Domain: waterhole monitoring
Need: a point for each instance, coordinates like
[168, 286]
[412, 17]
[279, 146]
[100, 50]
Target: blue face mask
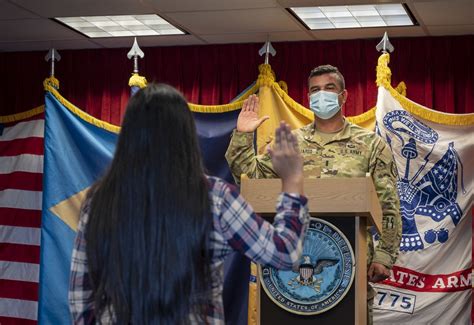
[324, 104]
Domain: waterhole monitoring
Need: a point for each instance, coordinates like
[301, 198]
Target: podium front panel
[342, 313]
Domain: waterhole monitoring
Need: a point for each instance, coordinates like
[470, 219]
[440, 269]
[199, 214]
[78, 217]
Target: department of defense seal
[324, 275]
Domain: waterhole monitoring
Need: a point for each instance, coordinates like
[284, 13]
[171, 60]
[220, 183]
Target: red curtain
[438, 72]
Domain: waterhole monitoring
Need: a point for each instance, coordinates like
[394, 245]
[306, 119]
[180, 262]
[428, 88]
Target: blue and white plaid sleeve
[279, 245]
[80, 289]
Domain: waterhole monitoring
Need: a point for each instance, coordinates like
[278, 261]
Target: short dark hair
[327, 68]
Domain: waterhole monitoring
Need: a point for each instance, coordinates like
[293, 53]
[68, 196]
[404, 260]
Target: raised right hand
[287, 160]
[248, 120]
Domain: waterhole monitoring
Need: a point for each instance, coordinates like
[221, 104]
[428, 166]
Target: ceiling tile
[257, 37]
[451, 30]
[236, 21]
[235, 38]
[46, 45]
[67, 8]
[453, 12]
[10, 11]
[313, 3]
[361, 33]
[149, 41]
[290, 36]
[35, 30]
[210, 5]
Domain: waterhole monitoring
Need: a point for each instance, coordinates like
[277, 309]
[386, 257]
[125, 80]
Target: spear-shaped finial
[52, 55]
[267, 49]
[134, 53]
[385, 46]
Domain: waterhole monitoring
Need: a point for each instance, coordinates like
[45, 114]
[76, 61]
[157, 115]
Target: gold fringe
[283, 85]
[216, 108]
[364, 117]
[22, 115]
[384, 80]
[432, 115]
[137, 81]
[401, 89]
[370, 114]
[266, 76]
[52, 81]
[77, 111]
[227, 107]
[384, 74]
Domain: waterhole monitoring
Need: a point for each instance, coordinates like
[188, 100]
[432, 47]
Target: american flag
[21, 176]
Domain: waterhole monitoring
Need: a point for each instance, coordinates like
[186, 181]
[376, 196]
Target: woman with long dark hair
[155, 230]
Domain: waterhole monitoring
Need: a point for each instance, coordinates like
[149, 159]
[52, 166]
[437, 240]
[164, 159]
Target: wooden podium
[348, 203]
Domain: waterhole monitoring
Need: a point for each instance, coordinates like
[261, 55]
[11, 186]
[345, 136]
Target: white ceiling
[25, 25]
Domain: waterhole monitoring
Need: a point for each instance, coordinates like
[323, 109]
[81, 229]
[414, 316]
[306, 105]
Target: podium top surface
[326, 197]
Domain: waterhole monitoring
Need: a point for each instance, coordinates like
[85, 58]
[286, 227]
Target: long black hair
[149, 222]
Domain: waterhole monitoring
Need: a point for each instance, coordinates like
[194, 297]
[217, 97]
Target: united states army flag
[434, 155]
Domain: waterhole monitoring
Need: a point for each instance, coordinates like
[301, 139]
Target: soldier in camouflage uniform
[331, 147]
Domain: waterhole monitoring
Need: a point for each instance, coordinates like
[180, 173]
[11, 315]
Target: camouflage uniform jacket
[352, 152]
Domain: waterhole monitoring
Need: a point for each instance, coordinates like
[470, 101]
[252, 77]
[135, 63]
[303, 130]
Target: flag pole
[384, 74]
[267, 49]
[134, 53]
[52, 56]
[136, 81]
[384, 45]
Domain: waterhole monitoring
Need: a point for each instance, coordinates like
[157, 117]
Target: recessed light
[354, 16]
[121, 25]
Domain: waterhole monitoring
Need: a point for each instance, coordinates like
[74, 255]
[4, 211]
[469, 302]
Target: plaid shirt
[235, 228]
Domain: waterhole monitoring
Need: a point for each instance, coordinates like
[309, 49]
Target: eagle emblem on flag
[426, 189]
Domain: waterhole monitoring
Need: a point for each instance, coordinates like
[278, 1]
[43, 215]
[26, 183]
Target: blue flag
[214, 131]
[76, 154]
